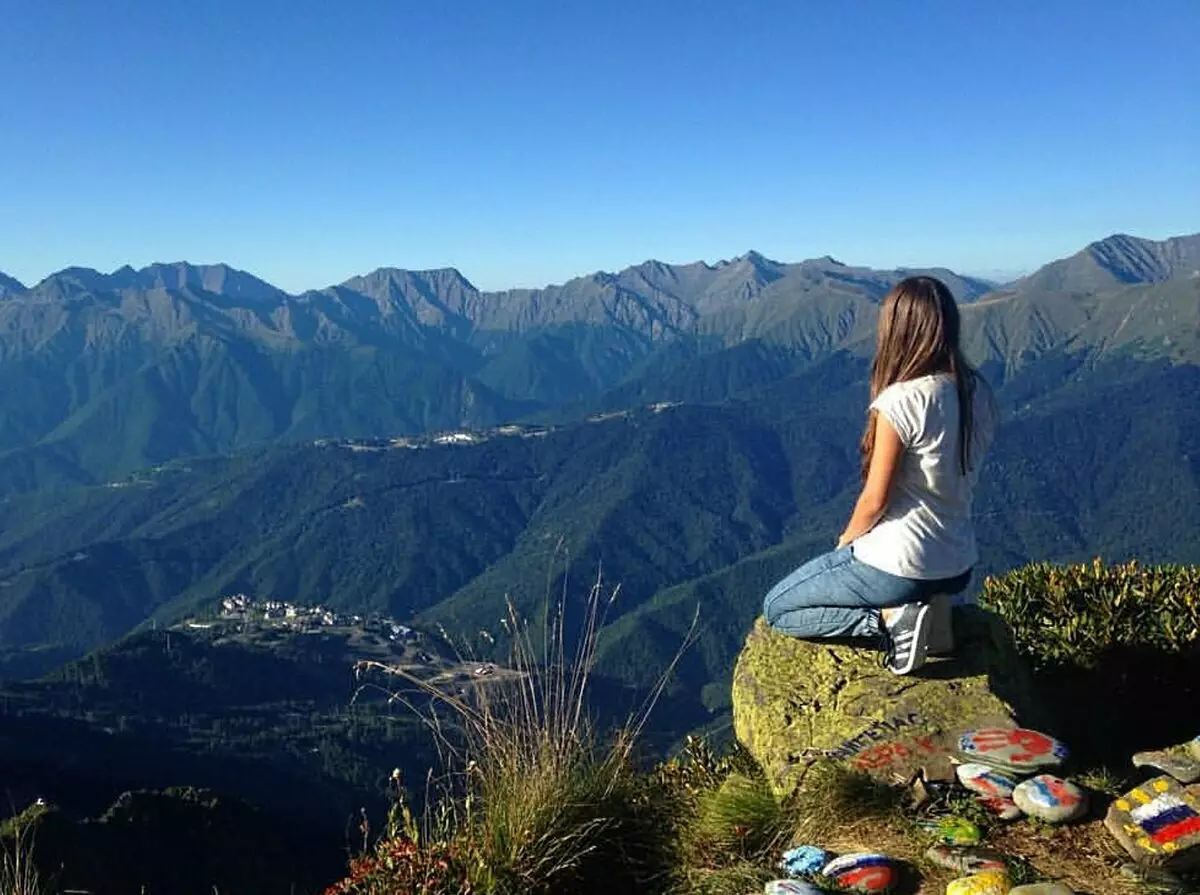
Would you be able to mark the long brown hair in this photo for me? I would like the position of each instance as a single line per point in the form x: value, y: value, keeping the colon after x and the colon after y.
x: 918, y: 335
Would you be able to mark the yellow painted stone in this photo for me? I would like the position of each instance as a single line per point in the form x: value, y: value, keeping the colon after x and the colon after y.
x: 990, y: 882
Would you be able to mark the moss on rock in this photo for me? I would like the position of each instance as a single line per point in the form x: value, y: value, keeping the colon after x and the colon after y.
x: 796, y: 702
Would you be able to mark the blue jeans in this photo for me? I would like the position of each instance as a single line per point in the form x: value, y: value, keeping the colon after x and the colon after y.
x: 836, y: 595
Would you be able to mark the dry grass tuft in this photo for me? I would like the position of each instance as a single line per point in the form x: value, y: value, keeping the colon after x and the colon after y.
x: 542, y: 800
x: 18, y: 873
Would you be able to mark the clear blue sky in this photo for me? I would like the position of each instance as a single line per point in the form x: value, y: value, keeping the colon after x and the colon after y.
x: 526, y: 141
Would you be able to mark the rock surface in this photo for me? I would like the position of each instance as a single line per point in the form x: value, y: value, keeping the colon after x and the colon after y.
x: 1178, y: 761
x: 1050, y: 798
x: 1158, y: 824
x: 796, y: 702
x: 990, y: 882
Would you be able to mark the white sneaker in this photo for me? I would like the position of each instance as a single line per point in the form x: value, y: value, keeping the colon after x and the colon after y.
x: 906, y: 632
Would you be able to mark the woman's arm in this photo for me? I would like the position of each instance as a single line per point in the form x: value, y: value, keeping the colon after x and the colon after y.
x: 885, y: 463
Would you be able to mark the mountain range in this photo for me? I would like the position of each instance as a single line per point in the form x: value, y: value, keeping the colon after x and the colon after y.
x: 126, y: 370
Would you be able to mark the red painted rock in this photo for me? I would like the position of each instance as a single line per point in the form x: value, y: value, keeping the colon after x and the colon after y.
x: 863, y: 872
x: 1017, y: 749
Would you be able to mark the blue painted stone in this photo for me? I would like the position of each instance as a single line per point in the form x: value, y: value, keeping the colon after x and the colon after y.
x: 1050, y: 798
x: 804, y: 859
x: 790, y: 887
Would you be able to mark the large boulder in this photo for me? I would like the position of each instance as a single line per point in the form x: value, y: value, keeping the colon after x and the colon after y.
x: 797, y: 702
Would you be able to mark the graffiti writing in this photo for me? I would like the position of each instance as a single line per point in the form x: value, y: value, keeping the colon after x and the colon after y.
x: 873, y: 735
x: 885, y: 754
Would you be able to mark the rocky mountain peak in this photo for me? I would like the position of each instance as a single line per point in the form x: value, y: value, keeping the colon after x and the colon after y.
x: 10, y: 286
x: 219, y: 279
x: 1118, y: 260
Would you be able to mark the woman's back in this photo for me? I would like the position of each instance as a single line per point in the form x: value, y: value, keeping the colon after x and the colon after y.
x: 926, y: 531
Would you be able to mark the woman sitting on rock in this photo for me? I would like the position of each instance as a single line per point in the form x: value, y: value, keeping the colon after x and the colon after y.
x: 910, y: 539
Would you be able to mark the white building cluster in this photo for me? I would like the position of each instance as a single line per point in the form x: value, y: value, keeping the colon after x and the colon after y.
x: 243, y: 608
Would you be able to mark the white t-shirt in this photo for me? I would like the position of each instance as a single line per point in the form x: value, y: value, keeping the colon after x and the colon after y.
x: 926, y: 530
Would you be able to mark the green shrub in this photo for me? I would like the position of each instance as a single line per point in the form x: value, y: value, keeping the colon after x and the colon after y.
x: 1072, y: 615
x: 741, y: 818
x: 729, y: 825
x: 1114, y: 651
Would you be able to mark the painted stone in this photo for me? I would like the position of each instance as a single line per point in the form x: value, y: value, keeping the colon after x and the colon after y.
x: 1016, y: 749
x: 985, y: 780
x: 804, y: 859
x: 965, y: 860
x: 1001, y: 809
x: 953, y: 831
x: 863, y: 872
x: 1158, y: 823
x: 1050, y: 798
x: 1178, y: 761
x: 1041, y: 889
x: 990, y: 882
x: 790, y: 887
